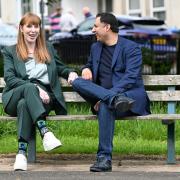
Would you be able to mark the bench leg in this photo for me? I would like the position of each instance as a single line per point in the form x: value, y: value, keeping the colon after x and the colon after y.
x: 171, y: 143
x: 171, y: 132
x: 32, y: 147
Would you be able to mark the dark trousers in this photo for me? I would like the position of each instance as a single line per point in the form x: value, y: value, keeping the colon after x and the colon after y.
x: 92, y: 93
x: 27, y: 105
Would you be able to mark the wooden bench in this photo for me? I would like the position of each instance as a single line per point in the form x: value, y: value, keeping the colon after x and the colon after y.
x: 168, y: 93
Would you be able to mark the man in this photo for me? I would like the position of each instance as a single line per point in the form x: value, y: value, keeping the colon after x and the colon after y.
x: 55, y: 21
x: 86, y: 12
x: 68, y: 21
x: 112, y: 82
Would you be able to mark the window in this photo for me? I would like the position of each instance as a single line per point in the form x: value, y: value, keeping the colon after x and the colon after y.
x: 160, y: 15
x: 26, y: 6
x: 0, y: 8
x: 158, y: 3
x: 134, y: 8
x: 135, y: 14
x: 158, y: 9
x: 134, y: 4
x: 108, y: 5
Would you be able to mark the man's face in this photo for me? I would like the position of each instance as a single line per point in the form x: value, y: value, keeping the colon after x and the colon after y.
x: 100, y: 29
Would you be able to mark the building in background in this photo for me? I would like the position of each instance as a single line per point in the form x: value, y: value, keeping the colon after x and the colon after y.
x: 11, y: 11
x: 168, y: 10
x: 163, y: 9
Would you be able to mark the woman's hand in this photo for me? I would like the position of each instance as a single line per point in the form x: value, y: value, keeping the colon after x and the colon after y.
x: 72, y: 77
x: 44, y: 95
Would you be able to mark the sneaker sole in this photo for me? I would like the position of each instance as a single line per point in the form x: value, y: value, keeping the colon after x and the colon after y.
x: 53, y: 147
x: 20, y: 168
x: 124, y: 106
x: 100, y: 170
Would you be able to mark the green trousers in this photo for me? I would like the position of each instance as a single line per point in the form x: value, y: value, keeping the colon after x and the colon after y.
x: 27, y: 105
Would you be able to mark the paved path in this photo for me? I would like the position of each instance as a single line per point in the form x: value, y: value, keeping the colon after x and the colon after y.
x: 77, y: 167
x: 54, y: 175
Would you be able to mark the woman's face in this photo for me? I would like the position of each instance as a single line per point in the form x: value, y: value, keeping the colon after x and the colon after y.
x: 30, y: 32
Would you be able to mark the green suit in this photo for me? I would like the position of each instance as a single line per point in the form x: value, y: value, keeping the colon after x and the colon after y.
x: 21, y: 97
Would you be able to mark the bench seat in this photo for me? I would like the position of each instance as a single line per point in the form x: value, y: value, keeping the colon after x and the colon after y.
x: 165, y: 91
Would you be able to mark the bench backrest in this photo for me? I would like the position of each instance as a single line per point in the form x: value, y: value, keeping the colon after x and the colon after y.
x: 168, y: 81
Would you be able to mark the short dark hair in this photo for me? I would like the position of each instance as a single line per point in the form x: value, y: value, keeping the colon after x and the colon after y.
x: 109, y: 18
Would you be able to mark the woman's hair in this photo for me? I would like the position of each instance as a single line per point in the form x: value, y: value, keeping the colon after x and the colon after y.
x: 41, y: 53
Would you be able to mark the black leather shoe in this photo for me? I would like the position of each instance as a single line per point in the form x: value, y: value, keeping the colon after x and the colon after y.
x: 101, y: 165
x: 122, y: 103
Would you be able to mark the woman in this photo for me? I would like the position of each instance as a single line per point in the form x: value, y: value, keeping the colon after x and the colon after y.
x: 31, y: 70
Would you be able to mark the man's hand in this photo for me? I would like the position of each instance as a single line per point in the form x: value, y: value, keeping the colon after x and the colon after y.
x: 72, y: 77
x: 87, y: 74
x: 96, y: 106
x: 44, y: 95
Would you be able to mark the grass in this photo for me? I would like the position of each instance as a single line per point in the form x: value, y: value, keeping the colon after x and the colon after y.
x: 131, y: 137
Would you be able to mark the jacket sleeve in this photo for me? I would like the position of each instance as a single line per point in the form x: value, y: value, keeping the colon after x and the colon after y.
x: 62, y: 69
x: 10, y: 77
x: 133, y: 59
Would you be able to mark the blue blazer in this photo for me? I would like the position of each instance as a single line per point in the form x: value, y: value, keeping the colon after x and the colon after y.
x: 126, y: 72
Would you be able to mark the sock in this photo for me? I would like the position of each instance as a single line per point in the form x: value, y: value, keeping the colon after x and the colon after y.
x: 41, y: 124
x: 22, y: 146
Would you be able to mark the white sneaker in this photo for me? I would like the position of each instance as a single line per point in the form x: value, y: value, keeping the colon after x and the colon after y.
x: 20, y: 163
x: 50, y: 141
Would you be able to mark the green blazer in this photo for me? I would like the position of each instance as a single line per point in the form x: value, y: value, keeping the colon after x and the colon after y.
x: 15, y: 75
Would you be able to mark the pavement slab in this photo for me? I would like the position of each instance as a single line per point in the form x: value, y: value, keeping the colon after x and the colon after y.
x: 82, y: 162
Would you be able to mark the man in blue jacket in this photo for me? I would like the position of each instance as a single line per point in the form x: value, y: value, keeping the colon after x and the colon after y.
x: 112, y: 82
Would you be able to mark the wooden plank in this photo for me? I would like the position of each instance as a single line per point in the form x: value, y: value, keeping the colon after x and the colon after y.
x: 153, y: 95
x: 72, y: 97
x: 2, y: 83
x: 149, y: 80
x: 93, y: 117
x: 165, y: 117
x: 164, y: 95
x: 167, y: 80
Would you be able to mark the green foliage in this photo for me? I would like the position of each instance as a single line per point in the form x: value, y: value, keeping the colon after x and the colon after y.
x: 162, y: 67
x: 147, y: 55
x: 159, y: 66
x: 130, y: 137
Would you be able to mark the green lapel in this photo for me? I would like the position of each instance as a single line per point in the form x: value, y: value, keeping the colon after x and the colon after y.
x: 49, y: 69
x: 20, y: 63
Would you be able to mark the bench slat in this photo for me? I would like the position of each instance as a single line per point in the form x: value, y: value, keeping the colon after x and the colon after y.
x: 165, y: 80
x: 149, y: 80
x: 153, y: 95
x: 2, y: 83
x: 164, y: 95
x: 93, y: 117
